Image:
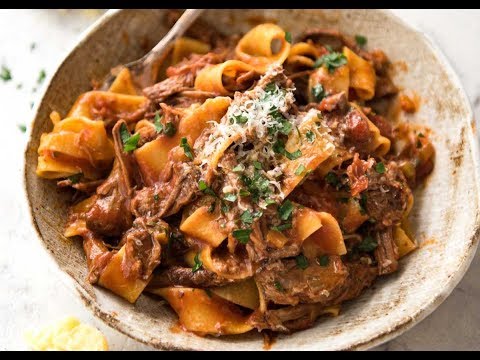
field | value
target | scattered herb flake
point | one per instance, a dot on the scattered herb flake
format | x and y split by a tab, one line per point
5	74
242	235
224	207
244	193
169	129
368	244
198	263
257	165
301	261
323	260
246	217
421	135
332	179
318	92
22	127
239	168
288	37
285	210
230	197
282	227
331	61
239	119
300	170
186	148
278	286
74	179
129	142
202	186
363	204
310	136
360	40
41	76
380	168
419	144
156	197
158	124
19	86
33	45
211	208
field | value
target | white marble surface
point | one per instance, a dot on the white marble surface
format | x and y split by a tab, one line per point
31	292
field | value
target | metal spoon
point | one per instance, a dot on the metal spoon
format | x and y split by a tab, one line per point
142	70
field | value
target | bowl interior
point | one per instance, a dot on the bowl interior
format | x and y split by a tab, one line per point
445	217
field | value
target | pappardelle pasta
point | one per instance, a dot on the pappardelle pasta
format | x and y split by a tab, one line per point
259	184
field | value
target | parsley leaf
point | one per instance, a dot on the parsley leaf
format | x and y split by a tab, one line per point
156	197
244	193
186	148
282	227
22	127
239	168
74	179
230	197
285	210
242	235
158	124
301	261
5	74
318	92
331	61
310	136
41	76
246	217
300	170
129	142
202	186
363	204
368	244
380	168
278	286
224	207
323	260
257	165
332	179
198	263
169	129
239	119
279	148
288	37
360	40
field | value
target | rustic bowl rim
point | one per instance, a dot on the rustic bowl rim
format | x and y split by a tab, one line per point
407	322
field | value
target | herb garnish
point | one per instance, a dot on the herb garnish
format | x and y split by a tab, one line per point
288	37
285	210
301	261
5	74
278	286
331	61
323	260
360	40
169	129
318	92
282	227
242	235
202	186
129	142
300	170
158	124
310	136
41	76
198	263
22	127
230	197
368	244
380	168
186	148
74	179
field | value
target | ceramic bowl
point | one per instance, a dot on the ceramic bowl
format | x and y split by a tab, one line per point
445	218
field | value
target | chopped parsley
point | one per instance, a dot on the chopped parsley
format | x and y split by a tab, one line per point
130	142
169	129
224	207
380	168
363	204
282	227
301	261
19	86
202	186
41	76
74	179
33	45
209	293
211	208
288	37
310	136
323	260
300	170
22	127
360	40
244	193
257	165
158	124
419	144
258	185
246	217
5	74
331	61
332	179
285	210
279	148
239	168
242	235
368	244
198	263
282	124
420	135
186	148
230	197
318	92
156	197
239	119
278	286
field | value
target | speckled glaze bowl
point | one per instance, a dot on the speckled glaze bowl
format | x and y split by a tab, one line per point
445	217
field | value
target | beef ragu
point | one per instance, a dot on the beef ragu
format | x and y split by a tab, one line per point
254	185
